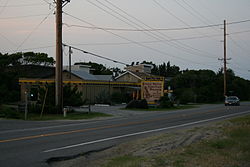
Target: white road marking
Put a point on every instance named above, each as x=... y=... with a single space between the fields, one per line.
x=144 y=132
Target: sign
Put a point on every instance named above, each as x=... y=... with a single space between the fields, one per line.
x=152 y=91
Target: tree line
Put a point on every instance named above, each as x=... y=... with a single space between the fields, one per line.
x=198 y=86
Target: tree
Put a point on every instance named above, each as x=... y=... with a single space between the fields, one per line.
x=10 y=72
x=37 y=59
x=99 y=69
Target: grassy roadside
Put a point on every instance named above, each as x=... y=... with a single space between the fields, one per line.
x=182 y=107
x=10 y=113
x=229 y=146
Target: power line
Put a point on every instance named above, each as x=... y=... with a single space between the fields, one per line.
x=189 y=11
x=239 y=46
x=35 y=48
x=177 y=45
x=3 y=36
x=160 y=35
x=195 y=11
x=96 y=55
x=182 y=21
x=153 y=29
x=137 y=43
x=19 y=17
x=31 y=32
x=4 y=6
x=22 y=5
x=148 y=42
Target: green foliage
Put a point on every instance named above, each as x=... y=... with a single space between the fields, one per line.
x=99 y=69
x=10 y=72
x=205 y=86
x=72 y=97
x=103 y=97
x=222 y=143
x=37 y=59
x=165 y=102
x=9 y=88
x=8 y=112
x=125 y=161
x=140 y=104
x=118 y=98
x=163 y=69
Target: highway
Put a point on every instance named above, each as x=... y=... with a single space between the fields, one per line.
x=32 y=143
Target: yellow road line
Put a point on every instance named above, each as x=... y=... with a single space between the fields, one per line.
x=97 y=128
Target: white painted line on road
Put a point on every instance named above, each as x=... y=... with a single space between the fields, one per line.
x=144 y=132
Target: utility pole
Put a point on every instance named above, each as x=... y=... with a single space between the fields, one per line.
x=59 y=61
x=70 y=52
x=225 y=59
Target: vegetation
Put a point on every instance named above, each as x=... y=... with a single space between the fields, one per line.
x=206 y=86
x=12 y=67
x=229 y=147
x=99 y=69
x=11 y=113
x=189 y=86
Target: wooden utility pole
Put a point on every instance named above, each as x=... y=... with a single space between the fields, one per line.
x=59 y=63
x=225 y=59
x=70 y=52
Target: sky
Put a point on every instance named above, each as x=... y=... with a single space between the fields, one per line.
x=188 y=33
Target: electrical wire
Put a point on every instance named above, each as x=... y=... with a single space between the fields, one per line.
x=179 y=46
x=96 y=55
x=4 y=6
x=31 y=32
x=197 y=12
x=23 y=5
x=3 y=36
x=153 y=29
x=239 y=46
x=182 y=21
x=137 y=43
x=19 y=17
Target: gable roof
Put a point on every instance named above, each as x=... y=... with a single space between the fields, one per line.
x=87 y=76
x=140 y=75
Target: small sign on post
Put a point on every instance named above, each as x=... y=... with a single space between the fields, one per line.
x=65 y=112
x=26 y=105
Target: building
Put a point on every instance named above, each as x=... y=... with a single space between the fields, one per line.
x=136 y=83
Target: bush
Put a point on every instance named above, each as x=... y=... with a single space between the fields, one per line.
x=165 y=102
x=8 y=112
x=142 y=104
x=37 y=109
x=103 y=97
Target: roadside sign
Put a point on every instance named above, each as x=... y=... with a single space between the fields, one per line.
x=152 y=91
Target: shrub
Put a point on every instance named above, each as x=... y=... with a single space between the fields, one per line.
x=165 y=102
x=8 y=112
x=142 y=104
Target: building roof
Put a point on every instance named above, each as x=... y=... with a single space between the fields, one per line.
x=32 y=71
x=141 y=75
x=87 y=76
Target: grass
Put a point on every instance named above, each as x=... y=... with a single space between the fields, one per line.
x=125 y=161
x=10 y=113
x=231 y=148
x=70 y=116
x=163 y=109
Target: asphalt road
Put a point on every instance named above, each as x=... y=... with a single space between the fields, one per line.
x=31 y=144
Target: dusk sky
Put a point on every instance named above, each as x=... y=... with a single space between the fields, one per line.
x=188 y=33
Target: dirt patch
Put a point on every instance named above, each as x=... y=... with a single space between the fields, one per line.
x=146 y=147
